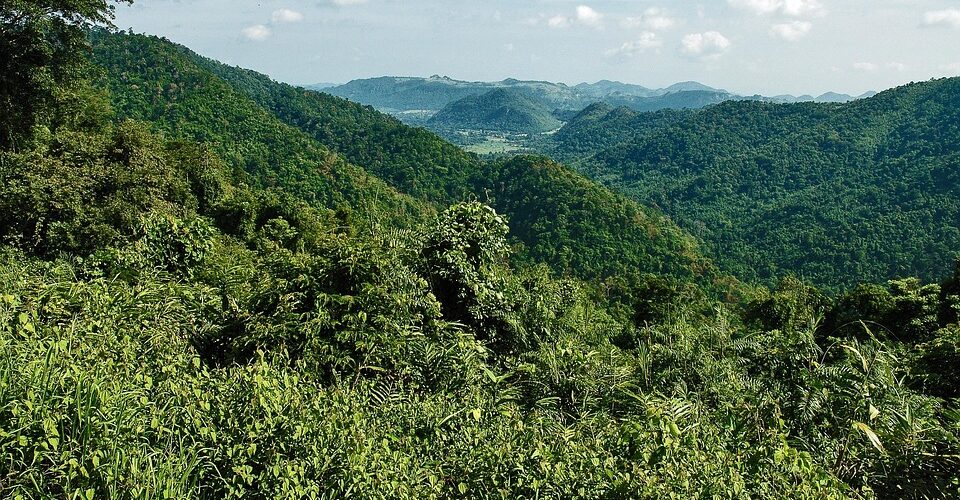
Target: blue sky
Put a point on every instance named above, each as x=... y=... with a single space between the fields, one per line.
x=746 y=46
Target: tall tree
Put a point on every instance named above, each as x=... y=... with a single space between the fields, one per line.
x=42 y=49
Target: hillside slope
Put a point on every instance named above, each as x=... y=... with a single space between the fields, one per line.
x=587 y=230
x=601 y=126
x=413 y=160
x=257 y=124
x=837 y=193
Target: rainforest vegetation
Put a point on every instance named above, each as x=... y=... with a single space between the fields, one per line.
x=215 y=285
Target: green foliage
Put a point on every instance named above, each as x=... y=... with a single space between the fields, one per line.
x=905 y=310
x=874 y=430
x=464 y=258
x=172 y=245
x=937 y=361
x=791 y=306
x=82 y=192
x=161 y=83
x=103 y=393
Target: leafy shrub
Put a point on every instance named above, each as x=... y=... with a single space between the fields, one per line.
x=464 y=259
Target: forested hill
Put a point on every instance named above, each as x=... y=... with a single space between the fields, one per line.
x=258 y=124
x=837 y=193
x=153 y=81
x=584 y=230
x=501 y=109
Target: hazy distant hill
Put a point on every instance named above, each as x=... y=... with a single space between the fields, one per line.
x=403 y=94
x=398 y=94
x=828 y=97
x=605 y=88
x=505 y=110
x=321 y=86
x=692 y=86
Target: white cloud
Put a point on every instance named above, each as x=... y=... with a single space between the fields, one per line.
x=758 y=6
x=509 y=47
x=896 y=66
x=951 y=68
x=653 y=18
x=802 y=7
x=558 y=22
x=286 y=16
x=872 y=67
x=708 y=45
x=257 y=32
x=588 y=16
x=585 y=15
x=946 y=17
x=791 y=31
x=647 y=40
x=794 y=8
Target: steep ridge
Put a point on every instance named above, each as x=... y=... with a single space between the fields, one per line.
x=152 y=80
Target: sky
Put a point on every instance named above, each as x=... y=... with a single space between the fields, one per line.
x=769 y=47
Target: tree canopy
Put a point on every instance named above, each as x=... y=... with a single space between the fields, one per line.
x=42 y=49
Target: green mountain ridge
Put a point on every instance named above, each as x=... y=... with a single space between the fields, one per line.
x=832 y=192
x=404 y=94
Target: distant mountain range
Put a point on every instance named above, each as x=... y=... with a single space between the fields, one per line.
x=829 y=97
x=399 y=94
x=443 y=104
